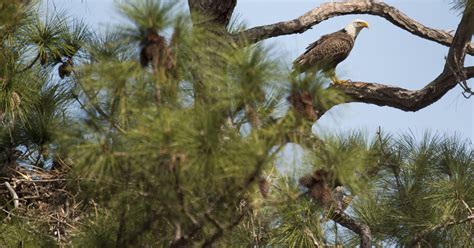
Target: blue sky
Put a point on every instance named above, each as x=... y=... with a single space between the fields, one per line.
x=383 y=54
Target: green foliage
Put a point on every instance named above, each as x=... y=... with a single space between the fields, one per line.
x=21 y=233
x=164 y=156
x=425 y=190
x=12 y=15
x=159 y=153
x=147 y=14
x=292 y=222
x=317 y=85
x=347 y=156
x=107 y=46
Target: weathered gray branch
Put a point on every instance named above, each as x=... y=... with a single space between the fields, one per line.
x=333 y=9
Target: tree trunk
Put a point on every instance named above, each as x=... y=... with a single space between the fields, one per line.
x=212 y=12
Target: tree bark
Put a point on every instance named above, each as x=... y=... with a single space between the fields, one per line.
x=461 y=42
x=212 y=12
x=360 y=228
x=396 y=97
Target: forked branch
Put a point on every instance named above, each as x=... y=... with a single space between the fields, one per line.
x=333 y=9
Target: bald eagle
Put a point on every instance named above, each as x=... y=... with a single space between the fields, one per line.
x=330 y=50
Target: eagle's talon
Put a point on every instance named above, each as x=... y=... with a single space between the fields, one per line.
x=341 y=82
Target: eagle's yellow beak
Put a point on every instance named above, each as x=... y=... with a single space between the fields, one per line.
x=364 y=24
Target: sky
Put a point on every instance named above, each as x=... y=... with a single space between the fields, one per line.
x=383 y=54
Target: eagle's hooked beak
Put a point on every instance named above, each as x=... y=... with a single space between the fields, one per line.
x=364 y=24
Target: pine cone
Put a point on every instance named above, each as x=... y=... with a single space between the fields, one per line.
x=302 y=102
x=307 y=181
x=16 y=99
x=327 y=176
x=156 y=50
x=321 y=184
x=322 y=175
x=321 y=193
x=43 y=58
x=65 y=70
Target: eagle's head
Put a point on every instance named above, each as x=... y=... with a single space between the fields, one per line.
x=356 y=26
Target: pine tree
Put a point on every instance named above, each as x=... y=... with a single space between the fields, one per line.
x=161 y=132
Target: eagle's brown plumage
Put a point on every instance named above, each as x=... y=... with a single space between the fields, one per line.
x=326 y=53
x=330 y=50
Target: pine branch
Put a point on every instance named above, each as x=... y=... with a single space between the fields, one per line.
x=97 y=107
x=363 y=230
x=221 y=229
x=417 y=238
x=334 y=9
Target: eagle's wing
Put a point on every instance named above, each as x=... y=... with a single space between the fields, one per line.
x=316 y=43
x=326 y=52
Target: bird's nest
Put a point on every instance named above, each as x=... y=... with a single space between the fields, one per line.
x=42 y=198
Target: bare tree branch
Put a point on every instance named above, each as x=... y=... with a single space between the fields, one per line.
x=461 y=42
x=362 y=229
x=392 y=96
x=333 y=9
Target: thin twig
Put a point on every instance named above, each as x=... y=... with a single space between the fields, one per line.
x=97 y=107
x=41 y=180
x=469 y=209
x=417 y=238
x=221 y=230
x=461 y=76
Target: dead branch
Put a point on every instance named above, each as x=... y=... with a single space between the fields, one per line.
x=333 y=9
x=16 y=200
